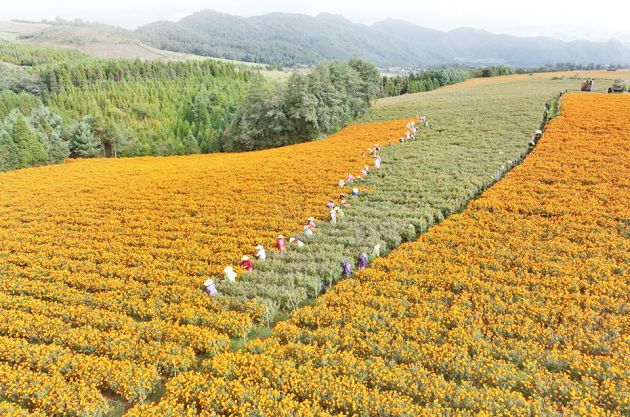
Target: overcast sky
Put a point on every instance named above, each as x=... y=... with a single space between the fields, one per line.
x=566 y=19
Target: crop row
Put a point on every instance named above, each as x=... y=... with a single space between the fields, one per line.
x=515 y=307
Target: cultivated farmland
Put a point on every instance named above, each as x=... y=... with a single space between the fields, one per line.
x=517 y=306
x=102 y=262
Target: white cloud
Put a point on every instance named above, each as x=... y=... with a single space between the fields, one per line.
x=561 y=18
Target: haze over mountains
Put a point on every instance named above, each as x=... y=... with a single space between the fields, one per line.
x=290 y=39
x=298 y=39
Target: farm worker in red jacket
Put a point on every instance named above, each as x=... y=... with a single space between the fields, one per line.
x=210 y=288
x=363 y=260
x=229 y=274
x=261 y=255
x=247 y=263
x=296 y=242
x=281 y=244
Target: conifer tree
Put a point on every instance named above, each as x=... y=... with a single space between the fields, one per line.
x=83 y=144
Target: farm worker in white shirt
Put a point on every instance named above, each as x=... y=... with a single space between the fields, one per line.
x=229 y=274
x=261 y=255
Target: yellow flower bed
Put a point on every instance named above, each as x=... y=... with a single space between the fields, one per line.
x=517 y=306
x=102 y=261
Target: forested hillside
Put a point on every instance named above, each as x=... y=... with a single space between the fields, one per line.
x=297 y=39
x=58 y=103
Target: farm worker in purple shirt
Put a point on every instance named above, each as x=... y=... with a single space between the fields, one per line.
x=210 y=288
x=347 y=269
x=363 y=260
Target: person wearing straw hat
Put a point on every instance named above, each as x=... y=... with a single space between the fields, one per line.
x=247 y=263
x=333 y=216
x=261 y=255
x=229 y=274
x=355 y=192
x=281 y=244
x=342 y=200
x=310 y=222
x=210 y=288
x=296 y=242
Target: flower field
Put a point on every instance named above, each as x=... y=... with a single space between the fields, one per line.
x=518 y=306
x=102 y=262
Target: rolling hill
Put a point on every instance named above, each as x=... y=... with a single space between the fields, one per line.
x=291 y=39
x=298 y=39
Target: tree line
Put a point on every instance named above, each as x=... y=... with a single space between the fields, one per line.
x=111 y=108
x=431 y=79
x=309 y=105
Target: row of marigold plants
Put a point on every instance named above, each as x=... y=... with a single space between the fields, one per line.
x=102 y=263
x=515 y=307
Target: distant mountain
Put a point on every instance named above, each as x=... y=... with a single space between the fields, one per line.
x=279 y=38
x=290 y=39
x=473 y=46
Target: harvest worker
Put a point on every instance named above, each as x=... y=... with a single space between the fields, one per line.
x=310 y=222
x=377 y=162
x=376 y=252
x=296 y=242
x=307 y=231
x=347 y=269
x=363 y=260
x=355 y=192
x=261 y=255
x=247 y=263
x=350 y=178
x=281 y=244
x=330 y=204
x=377 y=147
x=342 y=200
x=209 y=288
x=341 y=183
x=333 y=216
x=229 y=274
